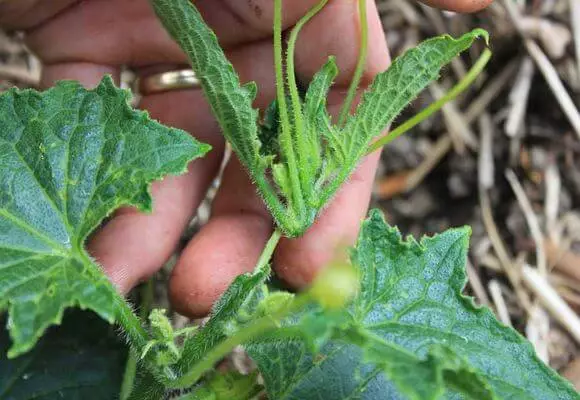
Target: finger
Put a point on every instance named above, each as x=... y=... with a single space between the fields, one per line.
x=319 y=39
x=297 y=261
x=227 y=246
x=25 y=14
x=112 y=31
x=89 y=74
x=133 y=245
x=231 y=242
x=464 y=6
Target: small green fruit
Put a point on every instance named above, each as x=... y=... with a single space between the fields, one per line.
x=335 y=286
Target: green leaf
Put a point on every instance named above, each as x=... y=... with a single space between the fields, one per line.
x=228 y=386
x=315 y=100
x=422 y=379
x=231 y=102
x=392 y=90
x=68 y=158
x=234 y=307
x=82 y=359
x=414 y=321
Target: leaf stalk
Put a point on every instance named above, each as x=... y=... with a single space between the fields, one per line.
x=131 y=366
x=286 y=140
x=436 y=106
x=224 y=348
x=300 y=136
x=361 y=64
x=255 y=329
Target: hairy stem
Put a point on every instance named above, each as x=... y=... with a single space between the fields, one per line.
x=133 y=329
x=278 y=64
x=257 y=327
x=436 y=106
x=360 y=67
x=299 y=135
x=131 y=367
x=286 y=142
x=138 y=337
x=268 y=250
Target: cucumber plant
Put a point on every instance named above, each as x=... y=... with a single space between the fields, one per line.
x=390 y=323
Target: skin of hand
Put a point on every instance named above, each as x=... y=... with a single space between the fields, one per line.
x=84 y=40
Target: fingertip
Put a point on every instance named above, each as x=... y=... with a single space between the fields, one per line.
x=88 y=74
x=462 y=6
x=298 y=261
x=133 y=246
x=228 y=246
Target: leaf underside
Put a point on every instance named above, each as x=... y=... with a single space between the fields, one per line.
x=325 y=155
x=68 y=158
x=413 y=334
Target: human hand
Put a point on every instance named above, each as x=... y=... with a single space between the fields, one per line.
x=83 y=40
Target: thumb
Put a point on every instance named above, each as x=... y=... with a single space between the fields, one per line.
x=463 y=6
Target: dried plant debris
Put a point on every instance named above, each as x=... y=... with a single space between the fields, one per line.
x=522 y=117
x=524 y=114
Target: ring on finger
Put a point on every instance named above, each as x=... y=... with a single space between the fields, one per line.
x=168 y=81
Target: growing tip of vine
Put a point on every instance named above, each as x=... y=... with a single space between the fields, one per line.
x=480 y=32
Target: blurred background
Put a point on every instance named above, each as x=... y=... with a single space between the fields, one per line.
x=503 y=158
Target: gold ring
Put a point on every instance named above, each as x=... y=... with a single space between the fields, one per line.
x=166 y=81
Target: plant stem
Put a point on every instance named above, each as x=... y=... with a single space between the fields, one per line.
x=256 y=328
x=360 y=67
x=259 y=326
x=278 y=64
x=147 y=293
x=135 y=334
x=299 y=134
x=268 y=250
x=436 y=106
x=286 y=142
x=133 y=329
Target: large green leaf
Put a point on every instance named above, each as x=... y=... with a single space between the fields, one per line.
x=83 y=359
x=414 y=325
x=68 y=158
